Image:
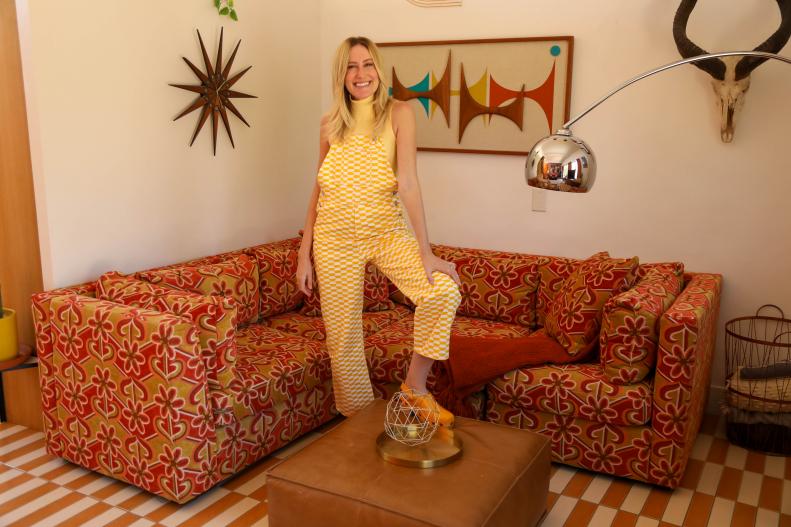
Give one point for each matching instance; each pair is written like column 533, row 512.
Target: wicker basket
column 758, row 410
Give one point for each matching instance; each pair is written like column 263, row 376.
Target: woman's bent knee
column 445, row 288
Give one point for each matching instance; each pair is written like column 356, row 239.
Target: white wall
column 667, row 188
column 117, row 185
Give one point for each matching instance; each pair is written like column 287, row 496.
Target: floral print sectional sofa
column 176, row 378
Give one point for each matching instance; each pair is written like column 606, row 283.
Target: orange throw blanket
column 474, row 361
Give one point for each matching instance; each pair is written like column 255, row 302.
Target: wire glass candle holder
column 411, row 419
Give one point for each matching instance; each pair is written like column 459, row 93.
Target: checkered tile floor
column 724, row 486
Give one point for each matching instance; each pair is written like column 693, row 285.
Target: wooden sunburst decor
column 214, row 93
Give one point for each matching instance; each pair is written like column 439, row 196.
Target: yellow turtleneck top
column 363, row 113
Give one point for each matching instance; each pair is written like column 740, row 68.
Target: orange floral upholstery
column 215, row 318
column 127, row 379
column 577, row 390
column 236, row 278
column 247, row 440
column 676, row 268
column 127, row 390
column 601, row 447
column 687, row 331
column 272, row 366
column 630, row 324
column 495, row 285
column 277, row 269
column 574, row 316
column 554, row 272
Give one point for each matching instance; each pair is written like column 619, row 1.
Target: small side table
column 25, row 359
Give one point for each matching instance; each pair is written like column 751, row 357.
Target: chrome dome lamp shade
column 565, row 163
column 561, row 162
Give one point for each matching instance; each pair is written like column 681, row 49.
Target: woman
column 355, row 217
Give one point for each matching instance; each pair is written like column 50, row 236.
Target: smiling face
column 361, row 79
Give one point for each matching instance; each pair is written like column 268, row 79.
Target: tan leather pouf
column 502, row 479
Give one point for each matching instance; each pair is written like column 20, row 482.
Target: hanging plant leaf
column 226, row 8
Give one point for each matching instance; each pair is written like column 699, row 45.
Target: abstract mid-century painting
column 496, row 96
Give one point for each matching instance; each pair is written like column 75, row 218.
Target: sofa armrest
column 125, row 394
column 687, row 334
column 42, row 325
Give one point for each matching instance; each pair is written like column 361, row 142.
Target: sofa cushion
column 619, row 451
column 390, row 350
column 272, row 367
column 277, row 269
column 215, row 318
column 294, row 323
column 495, row 285
column 577, row 390
column 376, row 293
column 553, row 272
column 630, row 324
column 501, row 289
column 236, row 278
column 574, row 316
column 643, row 269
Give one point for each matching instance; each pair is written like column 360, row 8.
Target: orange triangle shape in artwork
column 544, row 95
column 499, row 94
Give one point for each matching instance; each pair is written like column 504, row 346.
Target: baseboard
column 716, row 394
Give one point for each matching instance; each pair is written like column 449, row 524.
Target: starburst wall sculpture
column 214, row 93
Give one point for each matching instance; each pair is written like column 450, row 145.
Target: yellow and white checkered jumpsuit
column 360, row 219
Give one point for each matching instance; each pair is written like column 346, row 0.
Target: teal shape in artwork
column 422, row 86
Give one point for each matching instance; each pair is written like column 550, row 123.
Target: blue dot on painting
column 555, row 50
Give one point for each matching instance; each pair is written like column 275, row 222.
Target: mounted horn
column 687, row 48
column 772, row 44
column 730, row 79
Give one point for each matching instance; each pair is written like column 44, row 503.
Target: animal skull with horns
column 730, row 75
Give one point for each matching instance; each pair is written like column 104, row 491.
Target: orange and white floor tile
column 724, row 486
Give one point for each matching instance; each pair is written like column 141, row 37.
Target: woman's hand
column 433, row 263
column 305, row 273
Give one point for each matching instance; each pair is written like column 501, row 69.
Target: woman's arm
column 409, row 188
column 304, row 265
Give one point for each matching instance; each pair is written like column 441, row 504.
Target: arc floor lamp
column 564, row 162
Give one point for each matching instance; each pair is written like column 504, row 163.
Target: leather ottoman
column 502, row 479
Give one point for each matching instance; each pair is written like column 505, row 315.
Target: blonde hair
column 339, row 119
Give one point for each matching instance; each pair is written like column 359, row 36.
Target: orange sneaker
column 426, row 401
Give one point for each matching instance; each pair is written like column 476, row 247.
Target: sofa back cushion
column 630, row 323
column 215, row 317
column 574, row 316
column 235, row 278
column 376, row 294
column 676, row 268
column 553, row 272
column 277, row 268
column 495, row 285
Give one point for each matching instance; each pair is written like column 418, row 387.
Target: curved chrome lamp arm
column 690, row 60
column 566, row 163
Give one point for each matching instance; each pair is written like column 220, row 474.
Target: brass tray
column 445, row 447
